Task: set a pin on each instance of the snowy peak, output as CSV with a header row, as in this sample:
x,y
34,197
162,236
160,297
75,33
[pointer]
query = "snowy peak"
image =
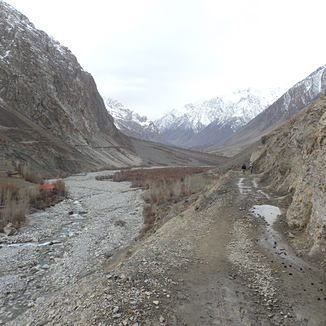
x,y
131,123
229,112
122,115
245,103
14,17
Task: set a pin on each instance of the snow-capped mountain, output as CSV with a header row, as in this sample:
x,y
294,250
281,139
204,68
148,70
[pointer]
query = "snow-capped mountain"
x,y
132,124
290,103
210,121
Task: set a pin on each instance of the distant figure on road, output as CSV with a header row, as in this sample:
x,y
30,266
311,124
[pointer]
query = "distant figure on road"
x,y
251,167
243,167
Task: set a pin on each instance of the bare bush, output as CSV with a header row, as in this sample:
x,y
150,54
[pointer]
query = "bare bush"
x,y
25,170
163,186
60,189
104,177
49,197
14,204
139,177
62,175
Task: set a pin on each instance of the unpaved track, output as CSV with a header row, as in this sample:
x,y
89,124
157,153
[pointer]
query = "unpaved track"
x,y
213,264
247,275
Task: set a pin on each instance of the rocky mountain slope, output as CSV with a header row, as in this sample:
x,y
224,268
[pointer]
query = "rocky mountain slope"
x,y
132,124
292,159
50,106
51,114
293,101
210,121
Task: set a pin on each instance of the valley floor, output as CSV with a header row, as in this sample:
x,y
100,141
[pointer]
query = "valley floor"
x,y
216,263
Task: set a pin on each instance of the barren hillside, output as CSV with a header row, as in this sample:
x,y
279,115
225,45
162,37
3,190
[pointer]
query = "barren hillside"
x,y
292,159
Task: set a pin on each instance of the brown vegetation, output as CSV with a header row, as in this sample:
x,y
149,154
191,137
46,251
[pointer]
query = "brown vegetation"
x,y
104,177
142,177
14,204
164,187
25,171
49,197
18,198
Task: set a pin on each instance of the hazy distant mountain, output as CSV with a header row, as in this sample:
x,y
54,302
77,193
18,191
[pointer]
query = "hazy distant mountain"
x,y
132,124
293,101
210,121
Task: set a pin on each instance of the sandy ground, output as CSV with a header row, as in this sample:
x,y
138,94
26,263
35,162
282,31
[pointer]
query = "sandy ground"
x,y
216,263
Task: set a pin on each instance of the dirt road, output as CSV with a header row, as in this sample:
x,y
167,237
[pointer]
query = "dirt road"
x,y
242,272
216,263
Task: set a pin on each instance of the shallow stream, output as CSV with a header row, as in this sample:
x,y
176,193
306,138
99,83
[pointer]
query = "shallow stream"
x,y
60,245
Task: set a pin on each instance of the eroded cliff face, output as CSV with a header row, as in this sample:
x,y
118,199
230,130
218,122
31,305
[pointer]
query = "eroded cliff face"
x,y
42,81
292,162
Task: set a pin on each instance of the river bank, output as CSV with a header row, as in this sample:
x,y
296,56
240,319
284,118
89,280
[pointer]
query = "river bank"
x,y
60,245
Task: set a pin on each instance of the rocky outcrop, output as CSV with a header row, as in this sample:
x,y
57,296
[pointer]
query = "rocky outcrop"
x,y
292,159
45,92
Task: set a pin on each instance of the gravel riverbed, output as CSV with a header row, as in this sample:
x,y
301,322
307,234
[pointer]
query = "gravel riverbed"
x,y
62,244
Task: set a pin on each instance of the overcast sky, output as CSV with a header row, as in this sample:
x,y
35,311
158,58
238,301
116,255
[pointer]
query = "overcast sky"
x,y
156,55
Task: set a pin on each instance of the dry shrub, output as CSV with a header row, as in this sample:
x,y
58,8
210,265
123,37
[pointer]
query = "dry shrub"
x,y
104,177
14,204
49,197
149,221
109,168
140,177
62,175
161,190
26,172
163,185
60,189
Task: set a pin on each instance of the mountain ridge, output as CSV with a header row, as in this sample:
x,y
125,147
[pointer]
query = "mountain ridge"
x,y
289,104
132,124
226,113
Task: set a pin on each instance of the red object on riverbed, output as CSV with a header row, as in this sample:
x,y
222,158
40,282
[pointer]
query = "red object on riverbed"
x,y
47,186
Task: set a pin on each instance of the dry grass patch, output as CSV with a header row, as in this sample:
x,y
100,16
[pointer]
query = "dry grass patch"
x,y
24,169
49,197
14,204
164,187
20,193
18,200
